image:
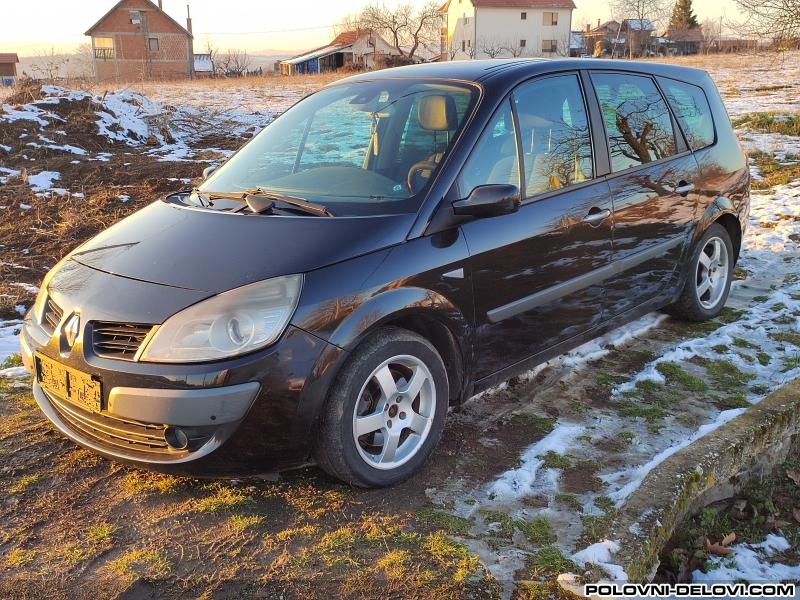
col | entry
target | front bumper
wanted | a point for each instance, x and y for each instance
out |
(243, 415)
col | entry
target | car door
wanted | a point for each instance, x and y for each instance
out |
(652, 189)
(537, 273)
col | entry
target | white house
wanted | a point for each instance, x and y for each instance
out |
(505, 28)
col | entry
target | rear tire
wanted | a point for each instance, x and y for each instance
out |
(708, 281)
(386, 411)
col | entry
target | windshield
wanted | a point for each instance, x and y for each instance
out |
(366, 148)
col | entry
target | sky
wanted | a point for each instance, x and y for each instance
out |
(280, 26)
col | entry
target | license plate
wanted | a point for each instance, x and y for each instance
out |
(80, 389)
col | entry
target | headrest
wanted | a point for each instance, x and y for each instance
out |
(438, 113)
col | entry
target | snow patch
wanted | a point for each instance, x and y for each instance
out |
(519, 482)
(749, 563)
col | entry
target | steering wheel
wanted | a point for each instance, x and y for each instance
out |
(420, 167)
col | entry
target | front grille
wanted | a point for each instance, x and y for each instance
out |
(112, 431)
(52, 316)
(118, 340)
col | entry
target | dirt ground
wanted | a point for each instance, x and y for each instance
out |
(73, 523)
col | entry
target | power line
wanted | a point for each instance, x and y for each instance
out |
(265, 32)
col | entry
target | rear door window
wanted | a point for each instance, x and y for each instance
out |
(638, 122)
(691, 107)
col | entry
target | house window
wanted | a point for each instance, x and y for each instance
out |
(469, 43)
(551, 18)
(463, 46)
(103, 47)
(523, 16)
(522, 43)
(136, 17)
(549, 45)
(152, 44)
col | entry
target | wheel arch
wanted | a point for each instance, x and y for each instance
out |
(722, 211)
(423, 311)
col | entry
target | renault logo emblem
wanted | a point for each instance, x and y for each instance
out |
(71, 329)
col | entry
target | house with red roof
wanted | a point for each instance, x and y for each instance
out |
(350, 49)
(505, 28)
(8, 68)
(137, 39)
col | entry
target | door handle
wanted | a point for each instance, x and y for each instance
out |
(683, 188)
(596, 216)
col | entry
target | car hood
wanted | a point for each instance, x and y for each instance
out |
(199, 249)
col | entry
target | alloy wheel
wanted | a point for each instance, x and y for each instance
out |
(712, 273)
(394, 413)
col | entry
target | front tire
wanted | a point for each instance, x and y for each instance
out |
(708, 282)
(386, 411)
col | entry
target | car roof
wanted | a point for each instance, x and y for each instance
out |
(512, 69)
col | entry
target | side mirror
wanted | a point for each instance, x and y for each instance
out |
(208, 171)
(489, 201)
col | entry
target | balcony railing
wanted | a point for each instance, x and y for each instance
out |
(104, 53)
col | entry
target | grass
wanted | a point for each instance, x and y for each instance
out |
(772, 171)
(608, 381)
(494, 517)
(15, 360)
(673, 372)
(537, 530)
(570, 500)
(541, 424)
(223, 499)
(732, 401)
(443, 521)
(149, 564)
(102, 533)
(769, 122)
(604, 503)
(790, 362)
(19, 557)
(554, 460)
(241, 523)
(725, 374)
(23, 483)
(140, 483)
(787, 337)
(549, 563)
(763, 358)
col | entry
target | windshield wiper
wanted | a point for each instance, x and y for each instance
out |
(260, 201)
(302, 203)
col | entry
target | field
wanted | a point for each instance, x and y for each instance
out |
(527, 475)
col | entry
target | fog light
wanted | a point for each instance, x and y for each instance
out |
(176, 438)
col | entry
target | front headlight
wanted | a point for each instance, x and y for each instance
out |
(229, 324)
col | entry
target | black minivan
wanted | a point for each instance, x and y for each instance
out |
(391, 245)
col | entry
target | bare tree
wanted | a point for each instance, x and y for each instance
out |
(641, 11)
(776, 19)
(213, 53)
(712, 33)
(491, 47)
(515, 50)
(234, 63)
(407, 27)
(49, 66)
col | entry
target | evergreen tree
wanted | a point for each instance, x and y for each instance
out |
(682, 16)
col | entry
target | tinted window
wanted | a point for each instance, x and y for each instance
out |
(691, 107)
(637, 119)
(556, 145)
(494, 159)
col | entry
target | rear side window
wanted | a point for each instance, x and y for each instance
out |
(690, 105)
(637, 120)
